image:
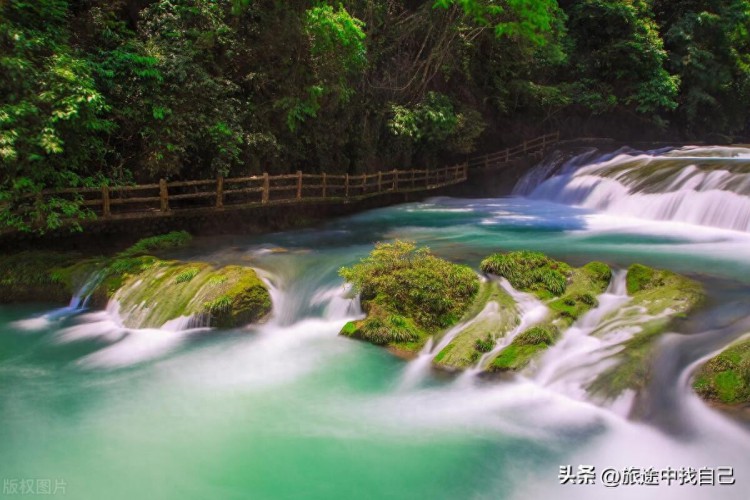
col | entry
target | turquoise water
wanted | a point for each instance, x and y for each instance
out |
(291, 410)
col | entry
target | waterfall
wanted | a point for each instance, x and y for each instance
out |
(81, 297)
(708, 186)
(531, 311)
(577, 357)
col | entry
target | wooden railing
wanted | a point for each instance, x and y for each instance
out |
(532, 147)
(165, 197)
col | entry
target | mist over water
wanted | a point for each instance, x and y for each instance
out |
(289, 409)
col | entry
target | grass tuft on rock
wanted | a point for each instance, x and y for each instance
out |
(155, 244)
(531, 272)
(525, 347)
(661, 297)
(725, 378)
(408, 293)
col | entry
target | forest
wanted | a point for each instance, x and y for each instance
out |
(113, 92)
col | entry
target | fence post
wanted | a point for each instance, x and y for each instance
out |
(324, 185)
(413, 176)
(106, 211)
(220, 191)
(346, 186)
(507, 155)
(364, 182)
(299, 184)
(380, 181)
(266, 188)
(395, 179)
(163, 195)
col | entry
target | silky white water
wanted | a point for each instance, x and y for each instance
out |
(290, 409)
(708, 186)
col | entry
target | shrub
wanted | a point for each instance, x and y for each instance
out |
(484, 345)
(529, 271)
(536, 335)
(187, 275)
(168, 241)
(413, 283)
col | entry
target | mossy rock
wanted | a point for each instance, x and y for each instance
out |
(525, 347)
(582, 286)
(408, 294)
(531, 272)
(492, 315)
(659, 298)
(159, 291)
(383, 328)
(150, 291)
(43, 276)
(725, 378)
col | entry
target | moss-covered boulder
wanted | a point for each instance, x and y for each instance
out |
(42, 276)
(531, 272)
(525, 347)
(161, 291)
(491, 316)
(408, 295)
(150, 290)
(659, 297)
(568, 292)
(725, 378)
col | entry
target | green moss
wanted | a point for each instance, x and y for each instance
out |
(585, 284)
(531, 272)
(480, 324)
(384, 328)
(634, 361)
(349, 329)
(582, 286)
(409, 293)
(186, 275)
(159, 293)
(155, 244)
(640, 278)
(725, 378)
(485, 345)
(42, 276)
(525, 347)
(659, 297)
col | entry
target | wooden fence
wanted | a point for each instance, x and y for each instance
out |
(164, 198)
(533, 147)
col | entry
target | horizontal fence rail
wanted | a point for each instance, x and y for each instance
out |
(202, 196)
(533, 147)
(164, 197)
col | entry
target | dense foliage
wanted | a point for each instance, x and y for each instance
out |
(410, 281)
(529, 271)
(116, 91)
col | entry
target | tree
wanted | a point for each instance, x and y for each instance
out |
(709, 48)
(52, 116)
(619, 58)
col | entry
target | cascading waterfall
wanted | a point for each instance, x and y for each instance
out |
(708, 186)
(569, 365)
(531, 311)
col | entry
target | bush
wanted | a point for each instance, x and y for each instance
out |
(413, 283)
(484, 345)
(175, 239)
(536, 335)
(529, 271)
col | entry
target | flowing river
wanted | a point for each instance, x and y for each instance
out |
(289, 409)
